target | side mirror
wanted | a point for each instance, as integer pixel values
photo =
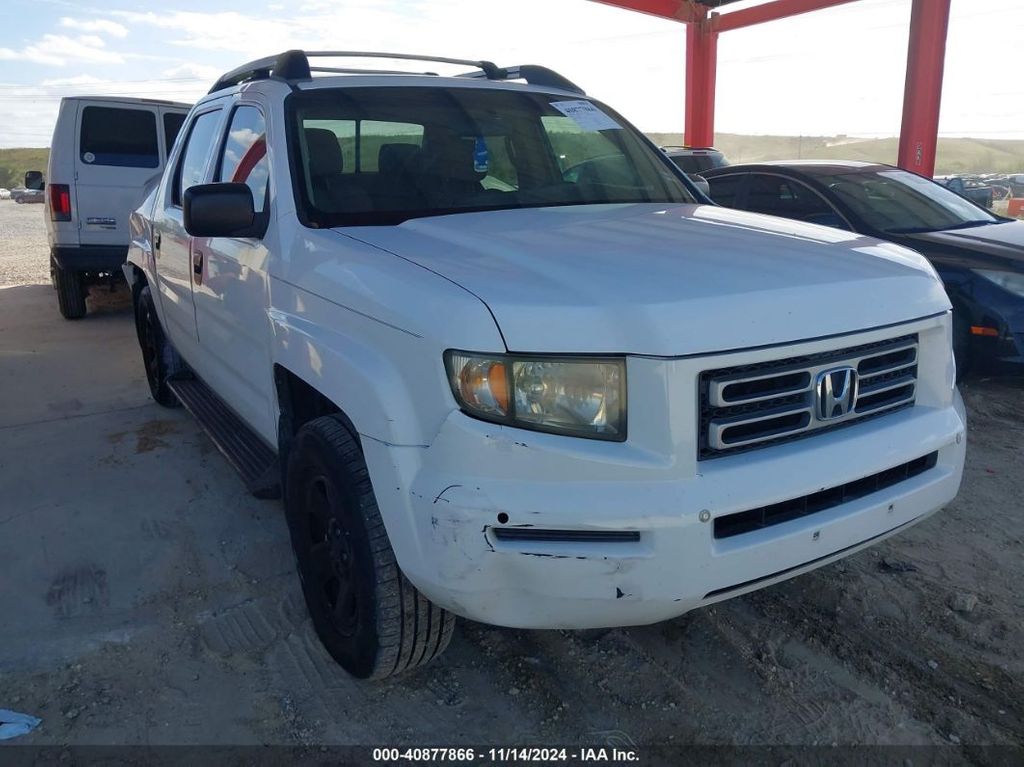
(220, 210)
(34, 180)
(701, 183)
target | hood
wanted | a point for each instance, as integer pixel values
(995, 246)
(664, 281)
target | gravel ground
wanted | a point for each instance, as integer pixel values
(145, 598)
(24, 257)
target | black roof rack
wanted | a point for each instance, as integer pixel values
(294, 65)
(535, 74)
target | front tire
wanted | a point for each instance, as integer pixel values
(70, 293)
(368, 615)
(159, 357)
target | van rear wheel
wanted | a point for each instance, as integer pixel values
(368, 615)
(70, 293)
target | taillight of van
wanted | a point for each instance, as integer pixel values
(60, 202)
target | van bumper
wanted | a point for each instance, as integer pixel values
(90, 258)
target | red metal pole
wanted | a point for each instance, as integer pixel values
(701, 70)
(922, 95)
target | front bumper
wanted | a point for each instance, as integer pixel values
(443, 505)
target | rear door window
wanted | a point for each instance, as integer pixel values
(192, 166)
(778, 196)
(725, 190)
(119, 137)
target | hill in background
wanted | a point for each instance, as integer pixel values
(955, 155)
(14, 163)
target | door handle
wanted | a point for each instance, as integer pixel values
(197, 266)
(156, 241)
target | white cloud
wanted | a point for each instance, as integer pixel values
(105, 26)
(191, 70)
(60, 50)
(77, 80)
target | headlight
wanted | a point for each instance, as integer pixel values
(582, 397)
(1011, 281)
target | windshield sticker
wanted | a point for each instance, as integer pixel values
(586, 115)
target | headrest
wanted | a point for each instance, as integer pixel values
(325, 157)
(453, 158)
(393, 158)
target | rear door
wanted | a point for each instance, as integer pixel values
(117, 153)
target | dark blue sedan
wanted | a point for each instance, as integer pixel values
(979, 255)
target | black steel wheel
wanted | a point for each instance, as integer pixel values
(367, 614)
(159, 357)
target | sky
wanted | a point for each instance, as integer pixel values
(837, 71)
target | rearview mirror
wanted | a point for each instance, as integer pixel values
(220, 210)
(34, 180)
(701, 183)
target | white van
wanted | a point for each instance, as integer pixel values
(105, 151)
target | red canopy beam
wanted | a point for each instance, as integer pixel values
(676, 10)
(922, 95)
(773, 11)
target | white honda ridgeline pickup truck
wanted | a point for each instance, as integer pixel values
(502, 361)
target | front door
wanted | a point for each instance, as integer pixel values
(230, 284)
(172, 245)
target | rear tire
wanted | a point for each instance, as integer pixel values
(159, 356)
(368, 616)
(70, 293)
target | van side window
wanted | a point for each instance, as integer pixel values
(172, 127)
(244, 160)
(201, 139)
(124, 138)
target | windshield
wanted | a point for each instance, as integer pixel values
(900, 202)
(383, 155)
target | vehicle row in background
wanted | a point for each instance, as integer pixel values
(22, 196)
(974, 190)
(979, 255)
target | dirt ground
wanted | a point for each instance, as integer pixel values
(145, 598)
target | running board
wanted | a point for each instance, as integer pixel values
(243, 448)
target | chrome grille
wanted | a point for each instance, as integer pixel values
(750, 406)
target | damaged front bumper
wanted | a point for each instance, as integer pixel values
(518, 535)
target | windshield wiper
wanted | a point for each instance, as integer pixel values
(968, 225)
(926, 229)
